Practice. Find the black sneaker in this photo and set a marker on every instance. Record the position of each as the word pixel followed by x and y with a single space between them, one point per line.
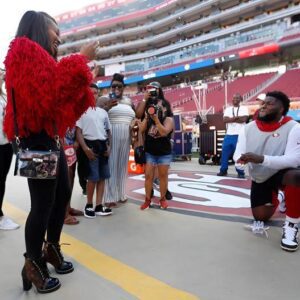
pixel 101 210
pixel 222 173
pixel 169 196
pixel 89 211
pixel 289 241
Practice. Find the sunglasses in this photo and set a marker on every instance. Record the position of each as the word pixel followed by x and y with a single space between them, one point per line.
pixel 119 86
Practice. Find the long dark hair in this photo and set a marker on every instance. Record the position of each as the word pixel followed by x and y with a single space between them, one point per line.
pixel 34 25
pixel 169 112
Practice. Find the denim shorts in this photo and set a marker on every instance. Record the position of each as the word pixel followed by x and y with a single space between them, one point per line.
pixel 158 159
pixel 99 169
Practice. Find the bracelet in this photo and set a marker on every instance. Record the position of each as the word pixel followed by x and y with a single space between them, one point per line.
pixel 144 100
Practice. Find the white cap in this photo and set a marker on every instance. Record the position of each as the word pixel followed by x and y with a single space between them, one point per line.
pixel 261 97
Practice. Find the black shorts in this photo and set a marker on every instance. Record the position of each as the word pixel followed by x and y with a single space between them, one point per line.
pixel 262 193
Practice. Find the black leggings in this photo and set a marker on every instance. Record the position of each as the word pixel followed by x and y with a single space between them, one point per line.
pixel 6 154
pixel 49 199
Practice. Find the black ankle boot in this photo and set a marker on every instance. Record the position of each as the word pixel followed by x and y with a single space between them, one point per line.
pixel 36 272
pixel 53 255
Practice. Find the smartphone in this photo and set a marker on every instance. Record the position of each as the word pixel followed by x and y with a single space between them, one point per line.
pixel 112 95
pixel 113 99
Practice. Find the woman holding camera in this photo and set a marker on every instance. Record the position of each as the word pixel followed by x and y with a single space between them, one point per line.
pixel 157 127
pixel 153 92
pixel 49 97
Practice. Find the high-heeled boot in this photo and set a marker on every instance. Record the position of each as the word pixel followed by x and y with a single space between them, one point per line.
pixel 53 255
pixel 36 272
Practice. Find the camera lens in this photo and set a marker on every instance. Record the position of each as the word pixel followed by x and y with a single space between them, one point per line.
pixel 151 110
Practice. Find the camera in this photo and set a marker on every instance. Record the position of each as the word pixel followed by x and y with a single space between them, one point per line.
pixel 152 109
pixel 152 92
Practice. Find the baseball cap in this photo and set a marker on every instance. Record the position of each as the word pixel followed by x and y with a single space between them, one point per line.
pixel 261 97
pixel 155 84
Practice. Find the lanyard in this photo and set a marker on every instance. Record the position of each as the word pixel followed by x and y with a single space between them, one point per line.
pixel 237 112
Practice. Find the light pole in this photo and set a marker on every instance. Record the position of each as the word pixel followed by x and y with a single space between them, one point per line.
pixel 226 76
pixel 226 90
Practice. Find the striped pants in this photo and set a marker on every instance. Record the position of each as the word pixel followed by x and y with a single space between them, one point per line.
pixel 118 164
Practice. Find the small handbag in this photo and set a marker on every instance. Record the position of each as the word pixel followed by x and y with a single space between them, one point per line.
pixel 139 155
pixel 35 164
pixel 139 150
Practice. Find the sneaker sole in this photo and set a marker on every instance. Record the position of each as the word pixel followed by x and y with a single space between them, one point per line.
pixel 288 248
pixel 11 228
pixel 90 217
pixel 103 214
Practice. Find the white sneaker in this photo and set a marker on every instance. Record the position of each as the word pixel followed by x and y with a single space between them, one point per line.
pixel 289 241
pixel 8 224
pixel 281 199
pixel 258 227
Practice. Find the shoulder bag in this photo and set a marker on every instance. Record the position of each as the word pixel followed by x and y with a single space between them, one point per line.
pixel 35 164
pixel 139 150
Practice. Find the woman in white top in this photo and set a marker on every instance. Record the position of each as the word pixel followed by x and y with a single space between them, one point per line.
pixel 121 117
pixel 6 154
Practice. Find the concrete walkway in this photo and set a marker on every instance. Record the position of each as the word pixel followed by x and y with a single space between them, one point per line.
pixel 155 254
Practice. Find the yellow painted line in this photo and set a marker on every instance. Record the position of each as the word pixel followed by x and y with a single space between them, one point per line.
pixel 129 279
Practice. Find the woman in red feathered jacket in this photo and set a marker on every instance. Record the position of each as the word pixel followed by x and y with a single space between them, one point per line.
pixel 50 96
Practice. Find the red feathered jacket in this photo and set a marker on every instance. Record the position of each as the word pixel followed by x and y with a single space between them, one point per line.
pixel 48 94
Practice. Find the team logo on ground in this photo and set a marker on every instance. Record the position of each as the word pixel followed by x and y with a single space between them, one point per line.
pixel 199 192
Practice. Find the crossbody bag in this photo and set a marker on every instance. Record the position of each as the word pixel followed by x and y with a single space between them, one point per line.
pixel 34 164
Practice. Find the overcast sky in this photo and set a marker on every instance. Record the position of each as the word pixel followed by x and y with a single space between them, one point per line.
pixel 12 11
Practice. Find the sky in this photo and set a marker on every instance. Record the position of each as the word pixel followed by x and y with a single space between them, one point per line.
pixel 12 11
